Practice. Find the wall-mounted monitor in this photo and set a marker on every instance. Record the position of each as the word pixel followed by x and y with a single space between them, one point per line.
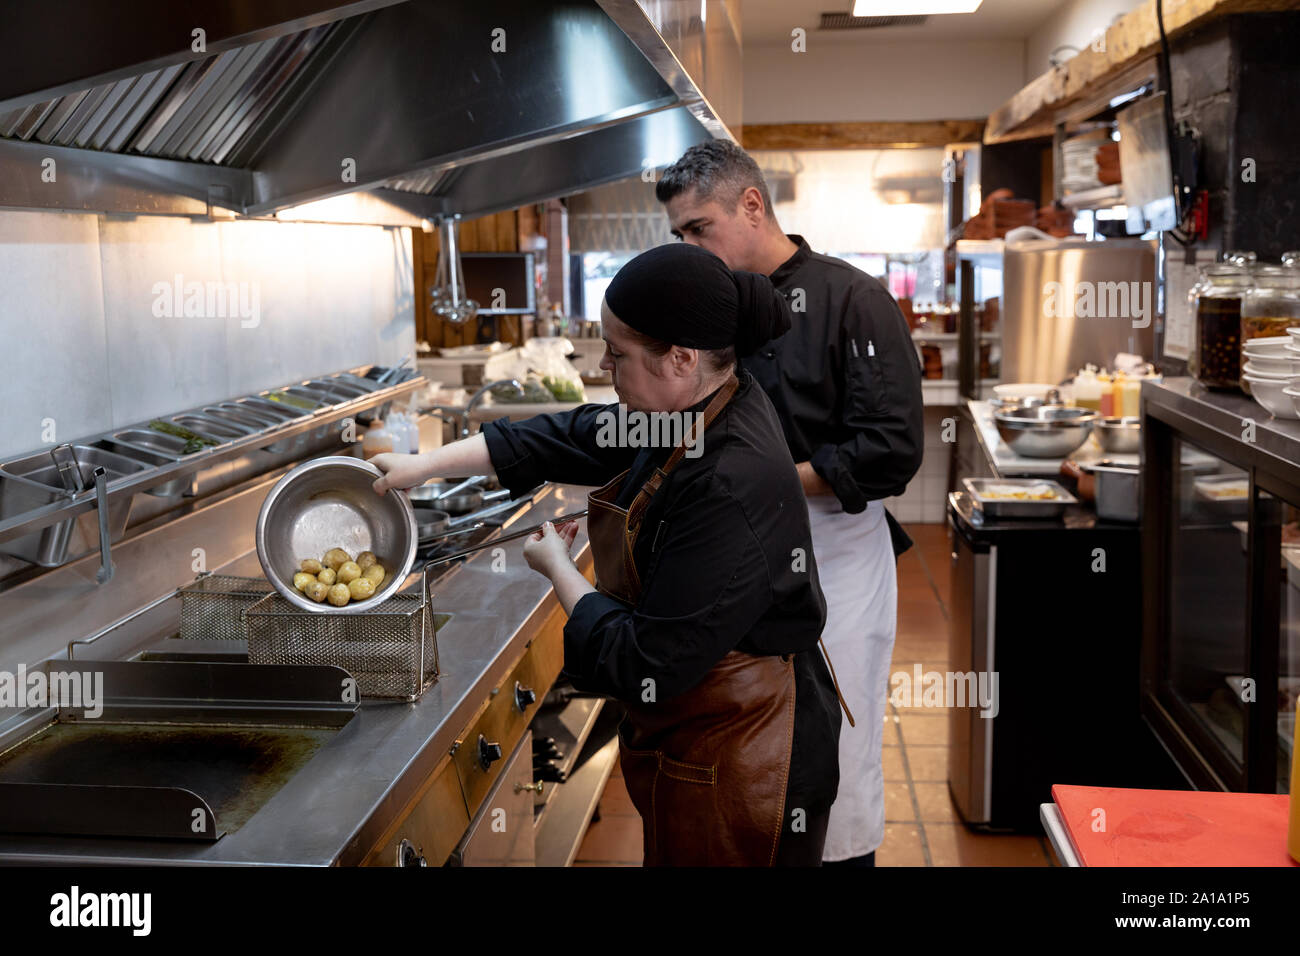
pixel 1144 163
pixel 502 283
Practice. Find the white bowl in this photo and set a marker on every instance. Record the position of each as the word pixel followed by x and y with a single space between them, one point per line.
pixel 1272 351
pixel 1272 367
pixel 1294 394
pixel 1294 332
pixel 1268 344
pixel 1271 393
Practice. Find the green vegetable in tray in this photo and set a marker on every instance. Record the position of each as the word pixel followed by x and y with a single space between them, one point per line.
pixel 291 400
pixel 193 441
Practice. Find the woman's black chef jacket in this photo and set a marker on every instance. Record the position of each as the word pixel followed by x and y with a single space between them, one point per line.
pixel 845 380
pixel 717 561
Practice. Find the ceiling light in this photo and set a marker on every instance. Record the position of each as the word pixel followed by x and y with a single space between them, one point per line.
pixel 898 8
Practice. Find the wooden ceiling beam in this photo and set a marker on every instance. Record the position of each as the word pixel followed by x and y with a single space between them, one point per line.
pixel 883 135
pixel 1136 36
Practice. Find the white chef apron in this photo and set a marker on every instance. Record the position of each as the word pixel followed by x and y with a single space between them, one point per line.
pixel 855 562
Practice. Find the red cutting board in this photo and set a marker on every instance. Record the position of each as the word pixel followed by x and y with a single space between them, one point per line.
pixel 1175 827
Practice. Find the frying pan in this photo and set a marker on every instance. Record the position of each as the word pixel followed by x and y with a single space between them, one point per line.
pixel 471 499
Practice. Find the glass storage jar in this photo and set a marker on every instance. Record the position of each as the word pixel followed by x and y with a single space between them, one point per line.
pixel 1272 303
pixel 1215 361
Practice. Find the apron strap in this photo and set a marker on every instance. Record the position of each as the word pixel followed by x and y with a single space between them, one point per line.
pixel 835 681
pixel 648 490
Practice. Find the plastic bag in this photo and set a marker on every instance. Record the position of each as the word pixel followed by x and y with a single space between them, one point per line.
pixel 545 362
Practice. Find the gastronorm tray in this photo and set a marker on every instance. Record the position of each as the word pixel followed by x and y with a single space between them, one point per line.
pixel 981 489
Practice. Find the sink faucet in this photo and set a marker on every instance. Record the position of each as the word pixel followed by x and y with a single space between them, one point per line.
pixel 477 396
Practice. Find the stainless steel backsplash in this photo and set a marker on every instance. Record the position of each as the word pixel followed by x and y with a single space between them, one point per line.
pixel 85 350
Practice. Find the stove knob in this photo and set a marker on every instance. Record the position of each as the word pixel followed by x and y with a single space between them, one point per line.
pixel 488 752
pixel 525 697
pixel 408 855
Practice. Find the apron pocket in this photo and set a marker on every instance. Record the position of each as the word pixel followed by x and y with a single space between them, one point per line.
pixel 689 772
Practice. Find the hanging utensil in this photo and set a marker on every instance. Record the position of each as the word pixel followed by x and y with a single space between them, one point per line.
pixel 105 572
pixel 69 471
pixel 449 300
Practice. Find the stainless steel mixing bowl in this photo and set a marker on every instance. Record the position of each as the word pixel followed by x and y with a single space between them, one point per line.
pixel 1119 435
pixel 329 503
pixel 1044 431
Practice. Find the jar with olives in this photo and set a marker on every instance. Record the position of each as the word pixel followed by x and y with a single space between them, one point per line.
pixel 1272 304
pixel 1216 360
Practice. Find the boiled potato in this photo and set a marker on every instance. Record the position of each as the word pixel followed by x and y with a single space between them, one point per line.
pixel 311 565
pixel 365 559
pixel 360 589
pixel 327 575
pixel 302 579
pixel 374 574
pixel 317 591
pixel 335 557
pixel 348 572
pixel 339 595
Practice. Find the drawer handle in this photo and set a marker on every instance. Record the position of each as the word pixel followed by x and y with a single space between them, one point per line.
pixel 525 697
pixel 488 752
pixel 521 787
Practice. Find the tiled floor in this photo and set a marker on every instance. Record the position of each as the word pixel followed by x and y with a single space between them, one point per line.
pixel 921 826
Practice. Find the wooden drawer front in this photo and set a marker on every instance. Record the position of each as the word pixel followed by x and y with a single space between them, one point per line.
pixel 502 833
pixel 501 721
pixel 434 824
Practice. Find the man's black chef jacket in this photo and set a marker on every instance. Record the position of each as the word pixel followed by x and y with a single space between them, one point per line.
pixel 846 381
pixel 715 558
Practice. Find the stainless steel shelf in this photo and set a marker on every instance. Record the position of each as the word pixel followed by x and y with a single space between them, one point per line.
pixel 83 502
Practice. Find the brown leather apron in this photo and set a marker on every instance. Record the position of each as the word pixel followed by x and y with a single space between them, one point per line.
pixel 707 770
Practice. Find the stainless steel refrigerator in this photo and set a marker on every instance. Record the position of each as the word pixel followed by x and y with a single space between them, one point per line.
pixel 1070 302
pixel 1064 303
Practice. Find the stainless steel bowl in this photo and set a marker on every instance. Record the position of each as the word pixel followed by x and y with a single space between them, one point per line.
pixel 329 503
pixel 1119 435
pixel 1044 431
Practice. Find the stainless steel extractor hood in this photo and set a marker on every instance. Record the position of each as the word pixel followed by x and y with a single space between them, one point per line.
pixel 388 112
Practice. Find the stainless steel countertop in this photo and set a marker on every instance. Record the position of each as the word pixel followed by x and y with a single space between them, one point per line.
pixel 1276 441
pixel 336 808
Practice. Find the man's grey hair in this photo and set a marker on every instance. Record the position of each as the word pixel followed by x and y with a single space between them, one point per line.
pixel 718 170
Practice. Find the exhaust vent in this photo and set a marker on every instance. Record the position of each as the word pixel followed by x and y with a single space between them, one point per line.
pixel 847 21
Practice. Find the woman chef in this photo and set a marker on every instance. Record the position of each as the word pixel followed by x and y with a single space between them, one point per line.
pixel 707 611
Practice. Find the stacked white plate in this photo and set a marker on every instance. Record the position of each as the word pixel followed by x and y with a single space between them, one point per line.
pixel 1270 368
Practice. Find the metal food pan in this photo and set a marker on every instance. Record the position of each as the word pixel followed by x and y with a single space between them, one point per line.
pixel 1016 508
pixel 263 406
pixel 171 488
pixel 344 390
pixel 205 427
pixel 251 423
pixel 281 413
pixel 159 443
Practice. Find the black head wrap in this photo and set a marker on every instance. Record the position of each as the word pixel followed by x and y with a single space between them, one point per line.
pixel 684 295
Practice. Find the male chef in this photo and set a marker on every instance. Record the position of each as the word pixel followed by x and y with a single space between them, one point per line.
pixel 846 383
